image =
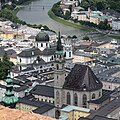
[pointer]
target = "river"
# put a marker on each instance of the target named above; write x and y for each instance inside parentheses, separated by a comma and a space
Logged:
(34, 13)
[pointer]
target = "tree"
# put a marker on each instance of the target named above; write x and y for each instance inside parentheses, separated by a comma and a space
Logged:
(86, 38)
(67, 15)
(5, 66)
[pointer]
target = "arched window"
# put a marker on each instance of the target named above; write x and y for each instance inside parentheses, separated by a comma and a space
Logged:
(40, 66)
(93, 96)
(57, 114)
(68, 98)
(69, 54)
(41, 44)
(65, 54)
(52, 58)
(75, 99)
(57, 66)
(99, 93)
(85, 101)
(57, 97)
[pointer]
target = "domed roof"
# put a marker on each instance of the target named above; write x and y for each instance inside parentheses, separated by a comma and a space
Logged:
(42, 37)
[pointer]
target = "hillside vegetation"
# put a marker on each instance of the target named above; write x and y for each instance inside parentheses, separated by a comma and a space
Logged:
(101, 4)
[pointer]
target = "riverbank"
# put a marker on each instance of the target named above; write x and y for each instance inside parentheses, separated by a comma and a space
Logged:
(68, 23)
(114, 36)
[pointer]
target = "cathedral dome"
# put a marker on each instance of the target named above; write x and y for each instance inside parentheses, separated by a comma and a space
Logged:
(42, 37)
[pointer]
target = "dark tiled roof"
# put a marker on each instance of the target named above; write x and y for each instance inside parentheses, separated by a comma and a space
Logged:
(10, 52)
(43, 90)
(39, 61)
(82, 78)
(30, 52)
(43, 109)
(42, 37)
(19, 89)
(105, 110)
(22, 78)
(2, 52)
(97, 118)
(106, 95)
(48, 51)
(111, 12)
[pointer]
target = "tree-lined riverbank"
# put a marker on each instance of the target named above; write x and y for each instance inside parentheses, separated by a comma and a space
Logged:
(69, 23)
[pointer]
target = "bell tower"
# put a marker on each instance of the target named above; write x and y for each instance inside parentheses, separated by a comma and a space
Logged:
(59, 65)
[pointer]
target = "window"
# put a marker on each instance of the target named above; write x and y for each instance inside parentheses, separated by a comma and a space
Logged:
(57, 97)
(69, 54)
(20, 68)
(52, 58)
(85, 101)
(20, 60)
(41, 44)
(57, 76)
(57, 66)
(99, 94)
(93, 96)
(65, 54)
(68, 98)
(46, 44)
(75, 99)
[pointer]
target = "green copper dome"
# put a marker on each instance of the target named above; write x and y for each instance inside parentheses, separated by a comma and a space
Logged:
(8, 80)
(10, 100)
(9, 92)
(9, 86)
(42, 37)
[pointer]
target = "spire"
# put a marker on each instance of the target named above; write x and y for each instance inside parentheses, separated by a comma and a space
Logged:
(59, 44)
(9, 99)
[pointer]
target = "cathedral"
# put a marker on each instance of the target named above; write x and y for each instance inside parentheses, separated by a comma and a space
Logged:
(76, 88)
(43, 49)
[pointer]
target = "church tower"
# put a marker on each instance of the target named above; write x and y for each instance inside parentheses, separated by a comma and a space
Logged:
(59, 71)
(9, 100)
(59, 75)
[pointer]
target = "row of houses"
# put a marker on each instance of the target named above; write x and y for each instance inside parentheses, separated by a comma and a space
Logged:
(95, 17)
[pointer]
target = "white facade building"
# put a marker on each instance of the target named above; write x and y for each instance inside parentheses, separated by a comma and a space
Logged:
(116, 24)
